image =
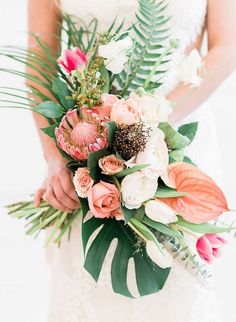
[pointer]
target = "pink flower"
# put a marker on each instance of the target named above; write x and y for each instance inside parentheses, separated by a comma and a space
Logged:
(104, 110)
(110, 165)
(125, 112)
(73, 59)
(81, 132)
(104, 200)
(208, 246)
(82, 182)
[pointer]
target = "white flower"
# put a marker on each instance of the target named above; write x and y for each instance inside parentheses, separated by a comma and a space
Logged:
(189, 69)
(160, 256)
(160, 212)
(136, 188)
(115, 54)
(155, 154)
(153, 109)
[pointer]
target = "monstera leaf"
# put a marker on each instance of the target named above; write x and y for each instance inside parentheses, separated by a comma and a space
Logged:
(149, 277)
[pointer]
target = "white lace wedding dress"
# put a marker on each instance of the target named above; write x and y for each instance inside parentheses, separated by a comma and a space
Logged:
(75, 297)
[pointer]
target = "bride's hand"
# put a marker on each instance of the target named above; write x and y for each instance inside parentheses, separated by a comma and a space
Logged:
(58, 189)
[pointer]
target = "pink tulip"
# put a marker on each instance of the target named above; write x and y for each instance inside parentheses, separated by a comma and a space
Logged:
(208, 247)
(73, 59)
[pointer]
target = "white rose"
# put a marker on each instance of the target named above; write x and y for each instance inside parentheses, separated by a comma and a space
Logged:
(155, 154)
(153, 110)
(161, 257)
(136, 188)
(115, 54)
(160, 212)
(189, 69)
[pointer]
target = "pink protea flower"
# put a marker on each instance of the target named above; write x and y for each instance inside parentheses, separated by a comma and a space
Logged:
(208, 246)
(81, 132)
(73, 59)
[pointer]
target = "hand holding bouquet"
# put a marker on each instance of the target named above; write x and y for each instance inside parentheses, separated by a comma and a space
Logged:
(128, 165)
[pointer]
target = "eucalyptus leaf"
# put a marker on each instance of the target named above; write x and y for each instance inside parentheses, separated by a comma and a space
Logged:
(49, 109)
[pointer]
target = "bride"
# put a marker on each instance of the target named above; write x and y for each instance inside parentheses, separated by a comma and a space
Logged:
(75, 297)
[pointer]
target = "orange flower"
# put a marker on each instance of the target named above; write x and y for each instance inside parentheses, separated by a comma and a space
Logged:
(204, 200)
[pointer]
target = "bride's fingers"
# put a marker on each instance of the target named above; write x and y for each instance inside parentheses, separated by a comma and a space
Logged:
(50, 197)
(38, 197)
(69, 188)
(63, 197)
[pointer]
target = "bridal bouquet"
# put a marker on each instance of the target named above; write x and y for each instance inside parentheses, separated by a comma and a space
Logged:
(110, 121)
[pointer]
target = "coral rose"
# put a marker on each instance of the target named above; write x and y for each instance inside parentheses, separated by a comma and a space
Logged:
(104, 200)
(110, 165)
(82, 182)
(208, 247)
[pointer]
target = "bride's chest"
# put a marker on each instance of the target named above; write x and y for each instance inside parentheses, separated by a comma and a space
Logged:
(187, 15)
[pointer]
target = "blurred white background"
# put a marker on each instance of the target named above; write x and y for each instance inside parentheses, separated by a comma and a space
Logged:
(24, 274)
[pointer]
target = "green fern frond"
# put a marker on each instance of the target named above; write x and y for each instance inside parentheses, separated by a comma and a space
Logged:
(150, 32)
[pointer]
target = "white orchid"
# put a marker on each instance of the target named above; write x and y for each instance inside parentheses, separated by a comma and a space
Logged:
(116, 54)
(189, 69)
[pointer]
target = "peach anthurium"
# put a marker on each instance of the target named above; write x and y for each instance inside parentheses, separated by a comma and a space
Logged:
(204, 200)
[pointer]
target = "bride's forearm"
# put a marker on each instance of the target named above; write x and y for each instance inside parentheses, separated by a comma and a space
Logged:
(219, 63)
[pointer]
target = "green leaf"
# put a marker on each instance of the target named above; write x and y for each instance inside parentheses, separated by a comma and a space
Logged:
(174, 139)
(74, 165)
(169, 193)
(177, 155)
(60, 88)
(188, 160)
(205, 228)
(149, 277)
(49, 109)
(105, 76)
(128, 213)
(131, 170)
(111, 132)
(84, 206)
(93, 159)
(161, 228)
(189, 130)
(50, 130)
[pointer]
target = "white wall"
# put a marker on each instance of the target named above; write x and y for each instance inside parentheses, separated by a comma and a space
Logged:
(24, 275)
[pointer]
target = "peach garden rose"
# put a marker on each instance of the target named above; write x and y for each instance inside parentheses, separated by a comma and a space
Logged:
(104, 200)
(110, 165)
(82, 182)
(125, 112)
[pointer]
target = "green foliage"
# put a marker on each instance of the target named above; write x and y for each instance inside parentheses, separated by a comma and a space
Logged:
(174, 139)
(149, 32)
(61, 90)
(166, 192)
(131, 170)
(93, 167)
(189, 130)
(149, 277)
(111, 132)
(49, 109)
(161, 228)
(50, 130)
(128, 213)
(204, 228)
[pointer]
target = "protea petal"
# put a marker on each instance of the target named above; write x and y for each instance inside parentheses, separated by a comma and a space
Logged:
(204, 200)
(81, 133)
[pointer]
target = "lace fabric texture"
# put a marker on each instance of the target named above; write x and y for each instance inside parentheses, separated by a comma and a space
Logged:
(75, 296)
